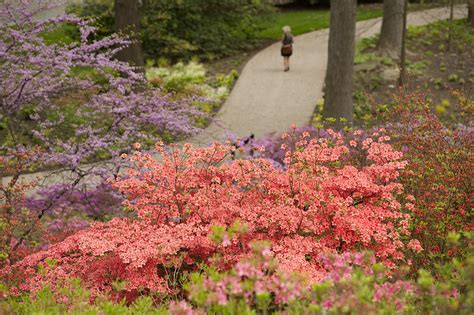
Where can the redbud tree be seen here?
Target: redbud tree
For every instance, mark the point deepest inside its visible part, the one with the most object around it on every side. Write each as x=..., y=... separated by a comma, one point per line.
x=196, y=206
x=70, y=102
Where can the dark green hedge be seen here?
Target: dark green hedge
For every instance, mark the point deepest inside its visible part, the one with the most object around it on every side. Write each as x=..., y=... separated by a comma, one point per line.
x=180, y=29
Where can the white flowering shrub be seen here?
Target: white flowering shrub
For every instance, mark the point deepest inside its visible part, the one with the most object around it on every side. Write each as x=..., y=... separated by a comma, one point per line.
x=192, y=78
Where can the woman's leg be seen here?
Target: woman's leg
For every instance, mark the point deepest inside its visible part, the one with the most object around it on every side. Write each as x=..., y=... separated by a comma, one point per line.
x=286, y=63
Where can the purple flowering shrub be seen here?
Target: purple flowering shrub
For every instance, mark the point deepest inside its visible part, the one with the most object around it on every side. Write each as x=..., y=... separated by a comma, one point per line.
x=76, y=208
x=70, y=103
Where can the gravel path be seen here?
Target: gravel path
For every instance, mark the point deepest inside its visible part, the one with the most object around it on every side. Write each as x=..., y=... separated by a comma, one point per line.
x=266, y=99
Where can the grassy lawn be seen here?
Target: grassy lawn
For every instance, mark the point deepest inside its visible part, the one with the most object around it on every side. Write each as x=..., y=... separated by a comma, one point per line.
x=304, y=21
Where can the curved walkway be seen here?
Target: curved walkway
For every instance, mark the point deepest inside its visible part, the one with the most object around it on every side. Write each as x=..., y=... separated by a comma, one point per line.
x=265, y=99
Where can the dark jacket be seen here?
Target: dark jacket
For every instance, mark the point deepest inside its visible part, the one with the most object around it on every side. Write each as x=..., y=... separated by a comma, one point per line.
x=287, y=39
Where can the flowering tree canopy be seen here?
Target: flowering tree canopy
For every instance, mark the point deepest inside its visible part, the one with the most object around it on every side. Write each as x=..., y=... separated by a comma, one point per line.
x=71, y=103
x=74, y=99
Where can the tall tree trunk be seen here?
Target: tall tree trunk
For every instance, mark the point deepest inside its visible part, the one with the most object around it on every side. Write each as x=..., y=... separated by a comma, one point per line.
x=470, y=12
x=403, y=70
x=127, y=19
x=338, y=90
x=392, y=27
x=450, y=28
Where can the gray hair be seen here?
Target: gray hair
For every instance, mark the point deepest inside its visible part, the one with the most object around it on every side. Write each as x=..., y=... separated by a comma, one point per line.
x=286, y=29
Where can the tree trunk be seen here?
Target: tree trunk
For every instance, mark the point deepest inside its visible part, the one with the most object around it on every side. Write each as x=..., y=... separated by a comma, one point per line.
x=403, y=70
x=338, y=90
x=127, y=19
x=470, y=13
x=392, y=27
x=450, y=28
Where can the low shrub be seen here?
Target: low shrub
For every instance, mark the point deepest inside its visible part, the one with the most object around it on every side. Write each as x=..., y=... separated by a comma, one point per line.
x=354, y=284
x=191, y=79
x=439, y=174
x=192, y=209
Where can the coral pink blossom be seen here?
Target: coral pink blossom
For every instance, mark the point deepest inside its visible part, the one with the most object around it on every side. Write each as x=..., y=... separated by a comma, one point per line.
x=317, y=204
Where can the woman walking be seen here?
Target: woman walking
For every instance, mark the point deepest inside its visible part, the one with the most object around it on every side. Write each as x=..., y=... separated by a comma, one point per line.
x=287, y=47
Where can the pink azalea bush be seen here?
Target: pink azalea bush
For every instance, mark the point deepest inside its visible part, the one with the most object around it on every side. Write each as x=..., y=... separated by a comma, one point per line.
x=438, y=177
x=195, y=206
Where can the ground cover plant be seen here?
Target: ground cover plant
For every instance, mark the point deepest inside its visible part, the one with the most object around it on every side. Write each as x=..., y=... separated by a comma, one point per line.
x=439, y=65
x=192, y=80
x=254, y=286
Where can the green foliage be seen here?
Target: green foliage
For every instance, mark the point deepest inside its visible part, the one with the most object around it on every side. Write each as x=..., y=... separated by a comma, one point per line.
x=438, y=175
x=317, y=119
x=220, y=233
x=177, y=78
x=364, y=51
x=101, y=10
x=438, y=83
x=442, y=67
x=352, y=288
x=72, y=298
x=428, y=68
x=441, y=108
x=418, y=68
x=439, y=30
x=191, y=80
x=363, y=107
x=453, y=77
x=367, y=42
x=453, y=281
x=179, y=29
x=360, y=57
x=209, y=29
